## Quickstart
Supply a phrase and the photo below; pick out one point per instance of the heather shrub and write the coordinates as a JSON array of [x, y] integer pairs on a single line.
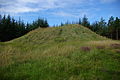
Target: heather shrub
[[86, 48], [100, 47], [115, 45]]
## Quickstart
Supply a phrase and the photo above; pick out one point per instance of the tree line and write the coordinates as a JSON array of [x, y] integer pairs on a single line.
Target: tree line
[[11, 28], [109, 29]]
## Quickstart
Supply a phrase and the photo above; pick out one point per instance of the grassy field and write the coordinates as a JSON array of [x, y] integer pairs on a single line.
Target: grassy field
[[71, 52]]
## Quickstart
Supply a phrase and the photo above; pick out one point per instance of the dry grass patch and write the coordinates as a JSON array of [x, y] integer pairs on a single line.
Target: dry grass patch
[[105, 43], [5, 59], [58, 51]]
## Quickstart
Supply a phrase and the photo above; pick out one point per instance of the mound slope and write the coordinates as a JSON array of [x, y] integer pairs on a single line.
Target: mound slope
[[65, 33]]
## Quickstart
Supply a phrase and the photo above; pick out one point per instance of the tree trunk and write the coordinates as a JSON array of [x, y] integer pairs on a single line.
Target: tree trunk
[[117, 34], [111, 36]]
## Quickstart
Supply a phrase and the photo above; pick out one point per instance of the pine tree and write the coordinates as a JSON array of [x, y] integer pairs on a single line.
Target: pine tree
[[85, 22], [46, 24], [0, 21], [102, 26], [79, 21], [61, 24], [117, 27], [95, 27], [111, 26]]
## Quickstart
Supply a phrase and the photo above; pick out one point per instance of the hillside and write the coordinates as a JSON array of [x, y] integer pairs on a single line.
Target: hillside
[[70, 52]]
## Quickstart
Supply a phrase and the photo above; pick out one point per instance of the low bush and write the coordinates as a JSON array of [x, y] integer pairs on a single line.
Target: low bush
[[85, 48], [100, 47], [115, 46]]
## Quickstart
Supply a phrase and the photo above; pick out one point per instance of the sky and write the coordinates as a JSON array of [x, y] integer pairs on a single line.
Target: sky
[[57, 11]]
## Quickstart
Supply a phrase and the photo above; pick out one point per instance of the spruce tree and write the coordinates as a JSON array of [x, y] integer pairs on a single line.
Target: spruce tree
[[111, 26], [79, 21], [117, 27], [85, 22]]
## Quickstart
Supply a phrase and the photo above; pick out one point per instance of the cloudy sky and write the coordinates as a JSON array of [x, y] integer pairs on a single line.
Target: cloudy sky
[[57, 11]]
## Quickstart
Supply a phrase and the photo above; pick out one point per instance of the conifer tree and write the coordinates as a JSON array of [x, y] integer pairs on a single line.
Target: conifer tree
[[111, 26], [85, 22]]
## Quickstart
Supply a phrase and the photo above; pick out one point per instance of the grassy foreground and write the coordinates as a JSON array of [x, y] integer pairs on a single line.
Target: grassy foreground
[[70, 52]]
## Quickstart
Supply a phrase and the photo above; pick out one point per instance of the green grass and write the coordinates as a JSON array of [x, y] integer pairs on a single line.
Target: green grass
[[56, 54]]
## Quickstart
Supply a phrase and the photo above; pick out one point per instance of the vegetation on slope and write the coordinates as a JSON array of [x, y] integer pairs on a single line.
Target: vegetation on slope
[[71, 52]]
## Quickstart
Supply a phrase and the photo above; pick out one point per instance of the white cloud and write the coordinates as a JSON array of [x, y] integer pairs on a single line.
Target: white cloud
[[14, 6], [18, 9], [21, 6], [75, 14]]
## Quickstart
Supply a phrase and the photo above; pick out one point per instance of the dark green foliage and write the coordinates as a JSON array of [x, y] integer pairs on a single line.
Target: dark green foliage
[[41, 23], [85, 22], [110, 29], [62, 24], [10, 28], [79, 21], [100, 27], [117, 28]]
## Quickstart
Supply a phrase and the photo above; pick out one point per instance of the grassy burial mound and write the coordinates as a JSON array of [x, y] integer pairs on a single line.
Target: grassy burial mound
[[70, 52]]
